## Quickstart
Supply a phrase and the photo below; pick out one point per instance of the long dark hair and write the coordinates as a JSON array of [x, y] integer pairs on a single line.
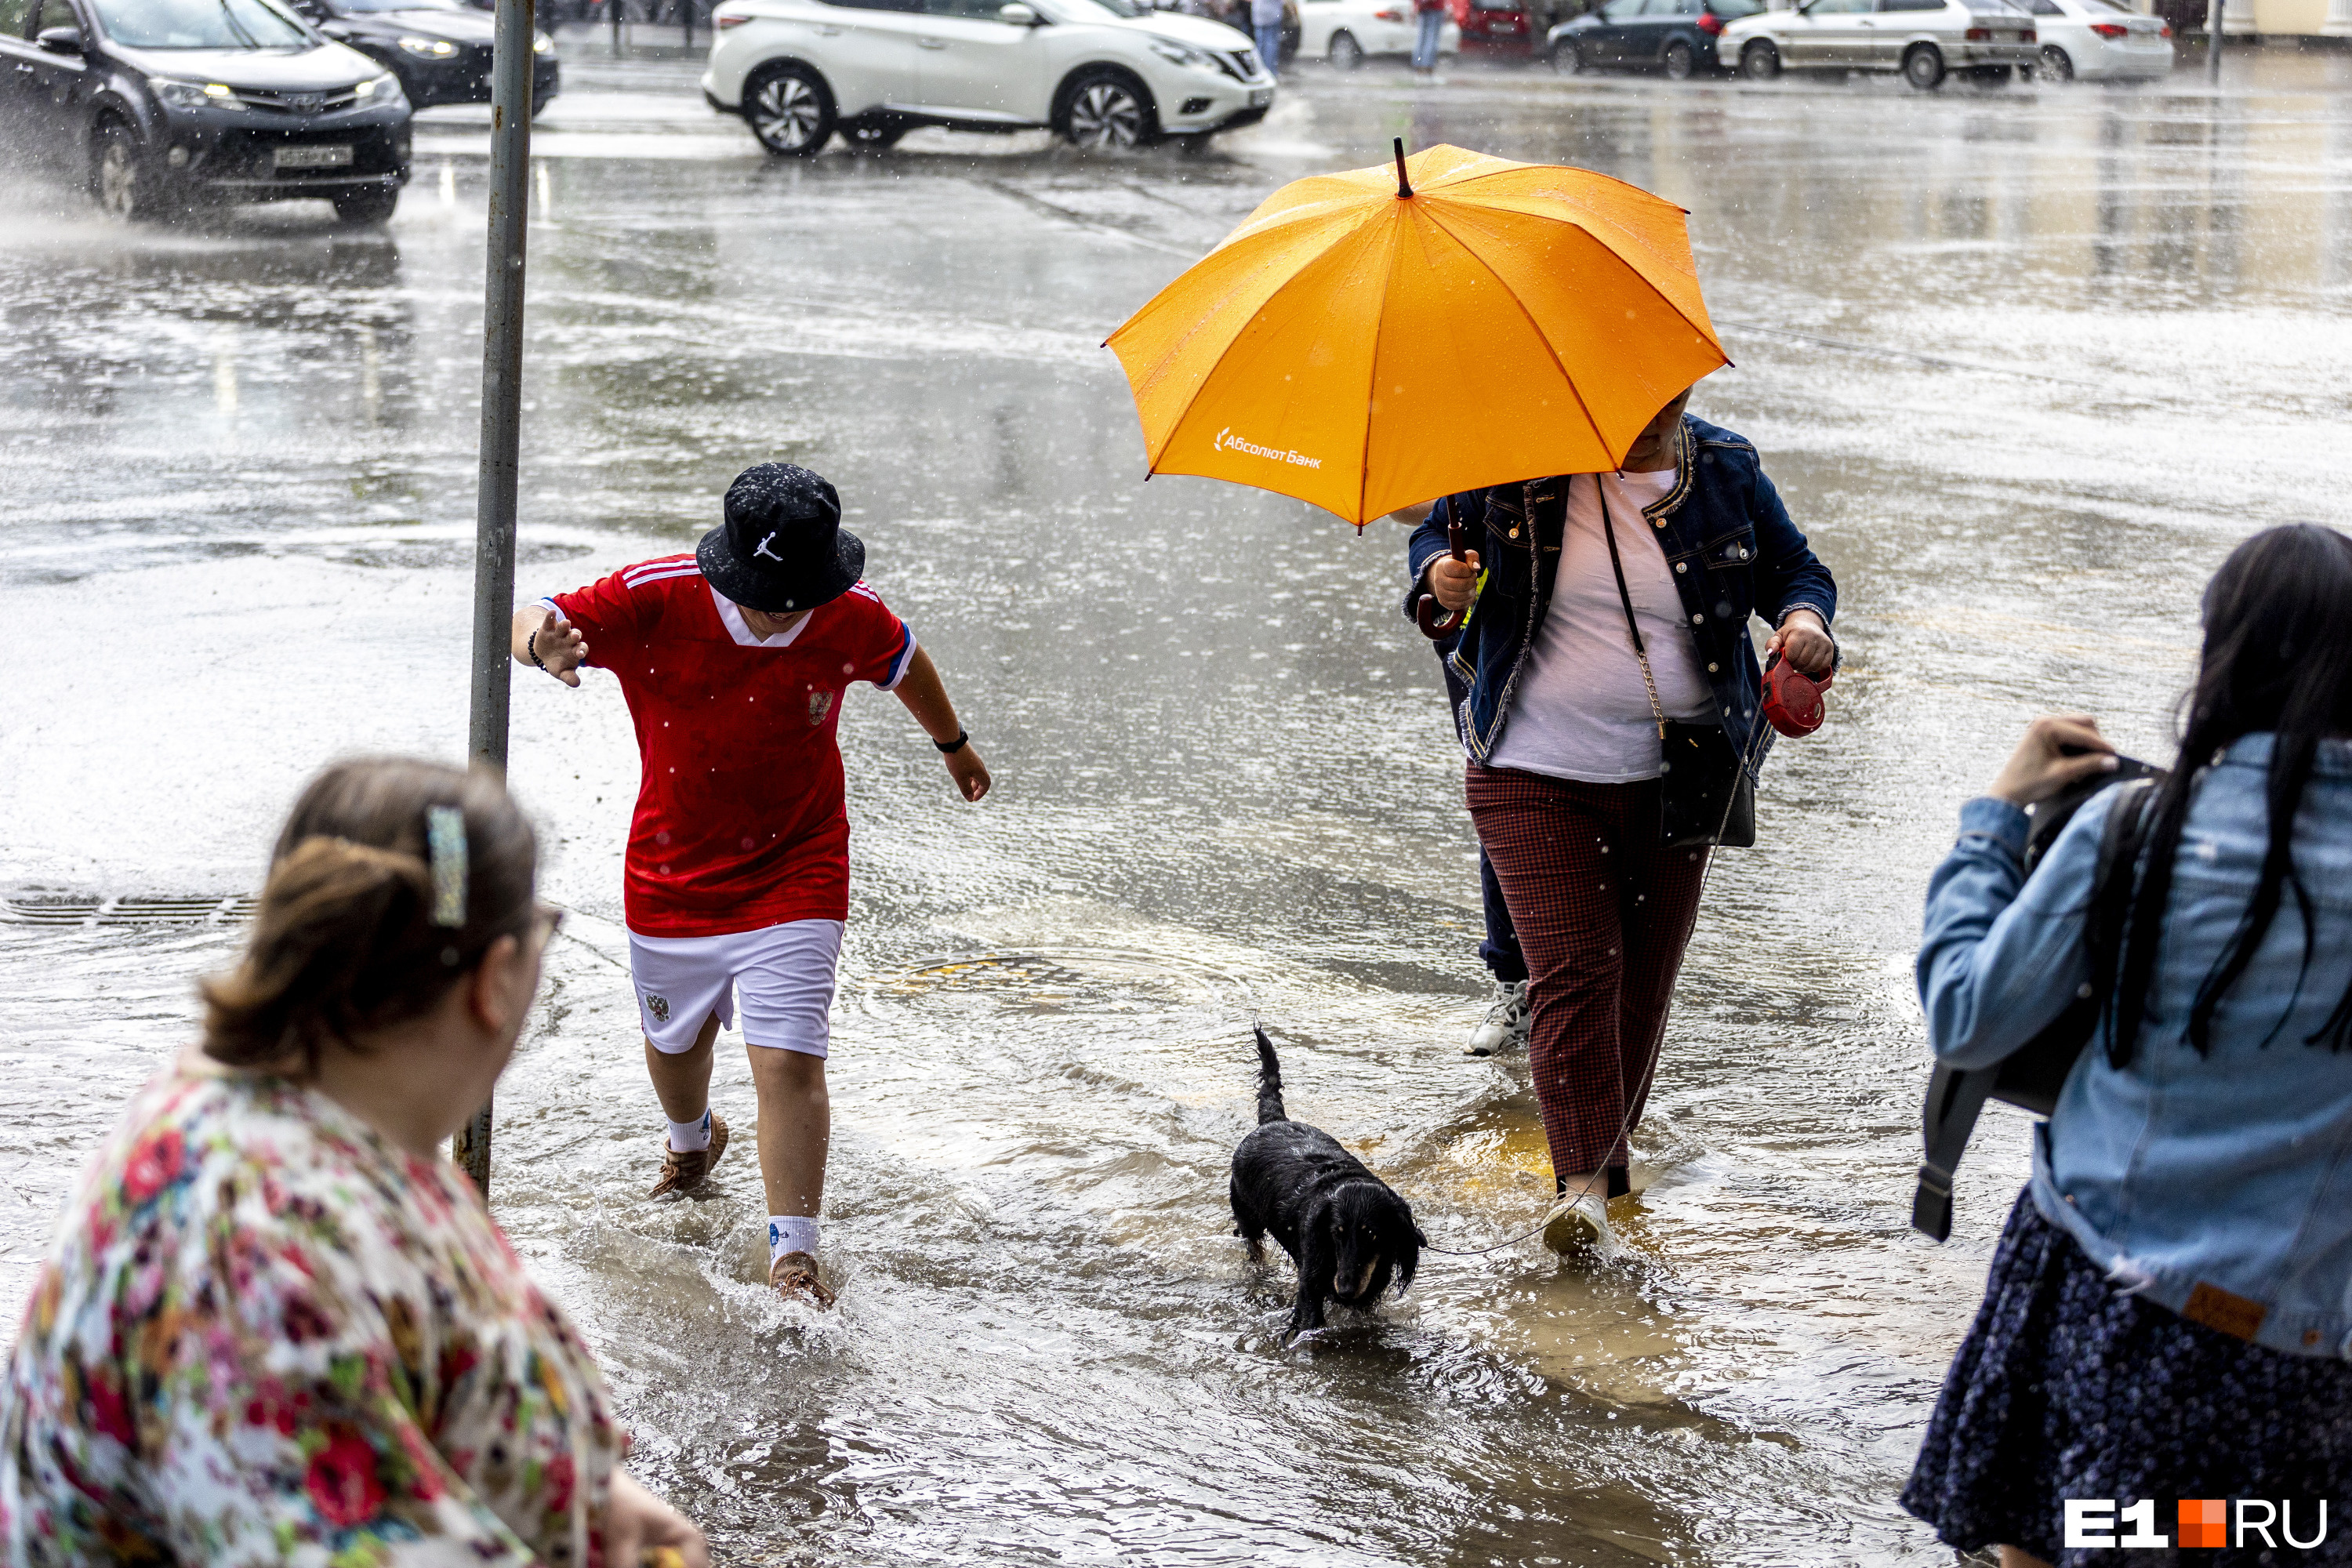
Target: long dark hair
[[2277, 658], [344, 942]]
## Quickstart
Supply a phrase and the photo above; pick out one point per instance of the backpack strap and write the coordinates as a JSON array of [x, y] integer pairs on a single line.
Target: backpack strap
[[1956, 1094]]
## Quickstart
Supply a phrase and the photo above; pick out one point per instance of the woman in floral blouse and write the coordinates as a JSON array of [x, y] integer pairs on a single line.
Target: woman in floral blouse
[[278, 1326]]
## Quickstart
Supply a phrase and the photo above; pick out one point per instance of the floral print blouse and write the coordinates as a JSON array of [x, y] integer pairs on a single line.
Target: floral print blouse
[[266, 1334]]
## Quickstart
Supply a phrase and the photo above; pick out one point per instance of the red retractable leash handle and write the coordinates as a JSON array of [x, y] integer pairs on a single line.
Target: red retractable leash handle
[[1792, 700], [1435, 624]]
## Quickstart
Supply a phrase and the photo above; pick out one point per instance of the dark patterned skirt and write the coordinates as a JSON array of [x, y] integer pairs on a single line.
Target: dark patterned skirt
[[2067, 1388]]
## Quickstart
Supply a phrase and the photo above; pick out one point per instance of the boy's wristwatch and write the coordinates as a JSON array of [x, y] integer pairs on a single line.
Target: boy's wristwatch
[[950, 748]]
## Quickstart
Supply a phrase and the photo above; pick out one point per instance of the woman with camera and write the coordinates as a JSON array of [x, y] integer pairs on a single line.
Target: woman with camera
[[277, 1323], [2170, 1311]]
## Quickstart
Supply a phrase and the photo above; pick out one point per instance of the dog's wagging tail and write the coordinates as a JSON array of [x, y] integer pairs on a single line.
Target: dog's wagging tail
[[1347, 1231], [1269, 1083]]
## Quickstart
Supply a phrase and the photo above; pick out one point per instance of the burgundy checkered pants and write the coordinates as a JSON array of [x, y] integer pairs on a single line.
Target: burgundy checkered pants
[[1603, 914]]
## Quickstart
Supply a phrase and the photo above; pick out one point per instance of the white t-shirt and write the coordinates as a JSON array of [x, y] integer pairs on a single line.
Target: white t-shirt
[[1580, 710]]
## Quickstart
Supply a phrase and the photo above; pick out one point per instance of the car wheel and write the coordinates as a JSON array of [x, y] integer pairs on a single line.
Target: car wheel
[[1759, 61], [1679, 61], [1923, 67], [368, 207], [1106, 108], [119, 177], [1346, 53], [2056, 66], [871, 136], [1566, 58], [789, 109]]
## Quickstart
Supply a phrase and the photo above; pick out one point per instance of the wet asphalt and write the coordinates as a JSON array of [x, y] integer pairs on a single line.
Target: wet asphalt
[[2024, 363]]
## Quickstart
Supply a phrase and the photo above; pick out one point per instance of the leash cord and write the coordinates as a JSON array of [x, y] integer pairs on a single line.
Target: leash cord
[[1756, 733]]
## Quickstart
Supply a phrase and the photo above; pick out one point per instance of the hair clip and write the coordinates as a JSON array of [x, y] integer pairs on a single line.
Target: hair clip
[[445, 838]]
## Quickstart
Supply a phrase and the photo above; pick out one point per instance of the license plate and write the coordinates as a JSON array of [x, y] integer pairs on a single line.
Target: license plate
[[1260, 96], [314, 157]]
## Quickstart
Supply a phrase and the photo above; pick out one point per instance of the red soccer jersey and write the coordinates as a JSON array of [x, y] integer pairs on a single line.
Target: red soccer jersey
[[740, 821]]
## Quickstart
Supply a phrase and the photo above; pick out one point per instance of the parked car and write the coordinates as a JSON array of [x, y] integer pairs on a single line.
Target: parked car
[[1344, 32], [2100, 42], [1677, 36], [440, 49], [1924, 39], [160, 104], [1494, 26], [1100, 73]]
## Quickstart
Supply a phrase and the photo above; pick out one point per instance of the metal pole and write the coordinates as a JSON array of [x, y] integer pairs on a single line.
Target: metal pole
[[613, 11], [2213, 9], [494, 503]]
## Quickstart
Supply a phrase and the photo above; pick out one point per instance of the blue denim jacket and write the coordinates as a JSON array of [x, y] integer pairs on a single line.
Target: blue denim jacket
[[2230, 1171], [1733, 550]]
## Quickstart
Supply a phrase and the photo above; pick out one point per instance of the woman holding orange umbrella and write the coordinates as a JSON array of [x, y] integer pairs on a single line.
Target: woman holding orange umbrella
[[1449, 326], [1605, 612]]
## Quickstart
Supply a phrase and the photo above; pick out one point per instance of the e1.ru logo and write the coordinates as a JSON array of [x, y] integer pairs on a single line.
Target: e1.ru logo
[[2203, 1522]]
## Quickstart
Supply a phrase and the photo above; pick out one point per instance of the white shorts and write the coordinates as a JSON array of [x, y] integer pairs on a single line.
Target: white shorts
[[787, 974]]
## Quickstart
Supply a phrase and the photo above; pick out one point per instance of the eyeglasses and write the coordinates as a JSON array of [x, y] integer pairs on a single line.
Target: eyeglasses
[[546, 920]]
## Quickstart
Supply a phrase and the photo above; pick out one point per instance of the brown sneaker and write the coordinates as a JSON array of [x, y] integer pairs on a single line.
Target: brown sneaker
[[795, 1279], [683, 1171]]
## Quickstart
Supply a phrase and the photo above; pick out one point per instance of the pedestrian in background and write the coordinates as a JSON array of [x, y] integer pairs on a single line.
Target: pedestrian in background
[[1563, 723], [1428, 16], [277, 1323], [2169, 1314], [1266, 16], [1504, 1029]]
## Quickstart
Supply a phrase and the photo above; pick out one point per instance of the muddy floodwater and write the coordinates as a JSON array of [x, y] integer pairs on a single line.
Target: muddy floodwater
[[2024, 363]]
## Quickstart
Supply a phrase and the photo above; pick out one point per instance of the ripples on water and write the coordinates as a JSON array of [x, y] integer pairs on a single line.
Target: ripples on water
[[2025, 364]]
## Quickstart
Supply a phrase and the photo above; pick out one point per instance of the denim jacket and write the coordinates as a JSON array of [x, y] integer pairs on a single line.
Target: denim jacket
[[1728, 540], [2220, 1185]]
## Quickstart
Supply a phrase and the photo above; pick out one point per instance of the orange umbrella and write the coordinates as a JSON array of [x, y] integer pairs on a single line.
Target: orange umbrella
[[1375, 339]]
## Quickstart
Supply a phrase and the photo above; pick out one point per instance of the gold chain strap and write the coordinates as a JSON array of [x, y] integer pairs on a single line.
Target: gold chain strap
[[1625, 597]]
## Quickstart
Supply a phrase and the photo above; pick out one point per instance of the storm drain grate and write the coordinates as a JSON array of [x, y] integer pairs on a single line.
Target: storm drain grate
[[130, 910]]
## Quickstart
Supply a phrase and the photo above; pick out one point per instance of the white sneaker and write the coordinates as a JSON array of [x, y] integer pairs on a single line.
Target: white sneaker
[[1504, 1027], [1579, 1225]]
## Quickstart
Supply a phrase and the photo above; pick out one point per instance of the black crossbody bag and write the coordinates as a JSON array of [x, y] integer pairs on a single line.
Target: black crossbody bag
[[2030, 1075], [1704, 796]]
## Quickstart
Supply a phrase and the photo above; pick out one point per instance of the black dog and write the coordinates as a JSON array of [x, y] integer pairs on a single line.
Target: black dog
[[1347, 1231]]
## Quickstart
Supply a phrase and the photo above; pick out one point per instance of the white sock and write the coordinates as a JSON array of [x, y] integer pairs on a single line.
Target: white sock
[[790, 1233], [686, 1137]]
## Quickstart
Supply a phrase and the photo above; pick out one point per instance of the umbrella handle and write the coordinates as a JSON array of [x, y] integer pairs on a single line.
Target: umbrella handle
[[1437, 625]]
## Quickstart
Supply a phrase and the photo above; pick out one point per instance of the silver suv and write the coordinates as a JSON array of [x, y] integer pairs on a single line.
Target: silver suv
[[1924, 39]]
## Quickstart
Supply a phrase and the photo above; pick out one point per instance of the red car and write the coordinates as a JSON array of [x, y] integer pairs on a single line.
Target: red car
[[1494, 26]]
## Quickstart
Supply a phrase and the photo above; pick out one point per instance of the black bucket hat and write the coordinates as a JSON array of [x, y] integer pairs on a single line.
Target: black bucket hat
[[782, 547]]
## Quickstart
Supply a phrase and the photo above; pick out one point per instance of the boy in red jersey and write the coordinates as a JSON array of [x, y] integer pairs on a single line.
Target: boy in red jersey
[[734, 661]]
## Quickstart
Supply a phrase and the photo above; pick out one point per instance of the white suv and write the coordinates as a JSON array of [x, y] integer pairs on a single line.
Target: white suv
[[1103, 73]]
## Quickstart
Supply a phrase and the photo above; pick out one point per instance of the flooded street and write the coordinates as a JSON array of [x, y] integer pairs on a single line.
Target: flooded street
[[2023, 363]]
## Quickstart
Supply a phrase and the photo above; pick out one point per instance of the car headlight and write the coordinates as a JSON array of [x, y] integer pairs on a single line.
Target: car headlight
[[196, 94], [540, 44], [377, 90], [430, 48], [1181, 54]]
